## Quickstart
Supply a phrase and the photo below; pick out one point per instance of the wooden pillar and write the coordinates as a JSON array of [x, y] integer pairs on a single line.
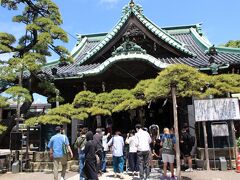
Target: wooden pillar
[[175, 116], [1, 110], [235, 151], [84, 86], [103, 87], [206, 146], [234, 140]]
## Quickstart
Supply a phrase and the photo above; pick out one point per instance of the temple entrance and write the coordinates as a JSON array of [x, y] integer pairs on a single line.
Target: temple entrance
[[159, 113]]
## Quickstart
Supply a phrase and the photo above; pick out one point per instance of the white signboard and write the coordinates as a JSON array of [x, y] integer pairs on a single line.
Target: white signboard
[[219, 130], [216, 109]]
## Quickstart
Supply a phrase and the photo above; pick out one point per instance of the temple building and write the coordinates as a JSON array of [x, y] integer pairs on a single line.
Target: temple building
[[137, 49]]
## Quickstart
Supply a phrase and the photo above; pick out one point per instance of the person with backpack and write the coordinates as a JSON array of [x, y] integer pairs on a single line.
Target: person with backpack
[[59, 147], [80, 146], [168, 142], [187, 142]]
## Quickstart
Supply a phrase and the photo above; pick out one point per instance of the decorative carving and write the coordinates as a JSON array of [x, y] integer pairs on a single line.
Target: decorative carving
[[212, 51], [128, 47], [133, 31], [214, 67], [132, 6]]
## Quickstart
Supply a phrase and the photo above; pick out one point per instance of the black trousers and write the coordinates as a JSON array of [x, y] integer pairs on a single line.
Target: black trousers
[[143, 157], [133, 162]]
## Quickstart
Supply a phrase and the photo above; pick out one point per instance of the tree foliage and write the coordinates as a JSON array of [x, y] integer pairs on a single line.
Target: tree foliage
[[18, 93], [3, 102], [233, 44], [2, 129], [42, 21], [188, 81], [47, 119], [84, 99]]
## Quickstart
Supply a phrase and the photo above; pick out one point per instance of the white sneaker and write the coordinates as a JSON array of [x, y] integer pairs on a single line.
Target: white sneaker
[[189, 170], [62, 178], [115, 175], [121, 176]]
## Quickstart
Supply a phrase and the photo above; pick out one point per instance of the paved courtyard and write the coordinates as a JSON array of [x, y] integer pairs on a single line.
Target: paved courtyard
[[196, 175]]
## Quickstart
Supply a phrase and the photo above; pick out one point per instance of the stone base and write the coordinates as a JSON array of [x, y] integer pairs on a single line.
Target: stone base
[[41, 157], [48, 166], [219, 152], [201, 164]]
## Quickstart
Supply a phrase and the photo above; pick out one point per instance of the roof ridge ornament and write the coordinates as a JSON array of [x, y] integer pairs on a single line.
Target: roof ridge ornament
[[132, 7], [128, 47], [131, 4]]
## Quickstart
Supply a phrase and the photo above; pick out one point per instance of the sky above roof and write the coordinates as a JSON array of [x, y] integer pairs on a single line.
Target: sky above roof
[[219, 17]]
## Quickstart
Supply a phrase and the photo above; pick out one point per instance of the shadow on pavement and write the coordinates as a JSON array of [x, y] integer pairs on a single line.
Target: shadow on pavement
[[185, 178]]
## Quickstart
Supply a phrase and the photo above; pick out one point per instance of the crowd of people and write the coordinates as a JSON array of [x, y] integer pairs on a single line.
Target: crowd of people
[[134, 152]]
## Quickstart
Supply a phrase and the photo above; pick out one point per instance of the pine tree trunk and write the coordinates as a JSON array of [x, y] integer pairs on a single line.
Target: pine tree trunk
[[206, 146], [175, 115]]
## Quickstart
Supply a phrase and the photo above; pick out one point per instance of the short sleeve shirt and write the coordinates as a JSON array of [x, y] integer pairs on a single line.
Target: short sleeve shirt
[[56, 143], [117, 144]]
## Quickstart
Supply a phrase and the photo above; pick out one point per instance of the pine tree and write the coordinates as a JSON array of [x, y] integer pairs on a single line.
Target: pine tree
[[42, 22]]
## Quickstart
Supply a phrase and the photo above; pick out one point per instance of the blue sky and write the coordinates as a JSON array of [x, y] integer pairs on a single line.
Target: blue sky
[[220, 18]]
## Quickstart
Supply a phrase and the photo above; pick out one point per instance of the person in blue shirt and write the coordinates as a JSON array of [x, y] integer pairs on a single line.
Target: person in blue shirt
[[57, 145]]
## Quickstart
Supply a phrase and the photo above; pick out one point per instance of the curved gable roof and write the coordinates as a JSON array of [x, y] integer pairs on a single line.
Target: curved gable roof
[[136, 11]]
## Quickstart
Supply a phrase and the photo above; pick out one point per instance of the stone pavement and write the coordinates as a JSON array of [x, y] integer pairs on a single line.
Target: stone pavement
[[196, 175]]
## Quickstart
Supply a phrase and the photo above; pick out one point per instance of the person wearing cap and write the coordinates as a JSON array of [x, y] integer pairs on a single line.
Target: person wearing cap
[[57, 144]]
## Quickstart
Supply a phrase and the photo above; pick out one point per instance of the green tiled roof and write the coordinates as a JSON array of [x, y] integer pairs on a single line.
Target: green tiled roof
[[137, 11], [188, 39]]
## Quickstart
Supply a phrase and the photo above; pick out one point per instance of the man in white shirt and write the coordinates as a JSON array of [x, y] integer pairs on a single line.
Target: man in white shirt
[[143, 141], [117, 144]]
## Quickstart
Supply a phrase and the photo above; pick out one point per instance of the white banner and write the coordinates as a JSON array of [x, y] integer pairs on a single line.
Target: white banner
[[216, 109]]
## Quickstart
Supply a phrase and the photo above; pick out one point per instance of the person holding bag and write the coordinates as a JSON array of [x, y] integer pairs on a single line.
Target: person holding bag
[[59, 148]]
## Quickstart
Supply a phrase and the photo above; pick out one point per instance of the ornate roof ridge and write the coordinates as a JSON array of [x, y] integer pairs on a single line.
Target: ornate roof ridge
[[224, 49], [107, 38], [201, 40], [137, 10], [168, 38]]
